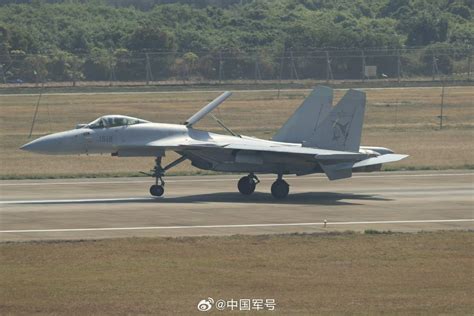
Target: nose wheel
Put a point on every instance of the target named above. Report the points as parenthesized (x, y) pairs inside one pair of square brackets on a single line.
[(280, 188), (157, 190), (247, 184)]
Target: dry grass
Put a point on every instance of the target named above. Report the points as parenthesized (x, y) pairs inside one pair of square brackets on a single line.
[(404, 120), (425, 273)]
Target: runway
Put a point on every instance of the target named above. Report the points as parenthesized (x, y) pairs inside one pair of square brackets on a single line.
[(211, 205)]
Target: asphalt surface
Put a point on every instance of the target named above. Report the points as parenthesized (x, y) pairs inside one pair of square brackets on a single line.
[(211, 205)]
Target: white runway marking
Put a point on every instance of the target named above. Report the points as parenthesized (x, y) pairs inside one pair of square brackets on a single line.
[(233, 226), (131, 199), (213, 179), (207, 91)]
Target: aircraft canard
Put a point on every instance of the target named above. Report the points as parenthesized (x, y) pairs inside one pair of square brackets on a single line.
[(317, 138)]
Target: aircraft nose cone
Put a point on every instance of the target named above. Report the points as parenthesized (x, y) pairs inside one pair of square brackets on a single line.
[(34, 146), (26, 146), (62, 143), (44, 144)]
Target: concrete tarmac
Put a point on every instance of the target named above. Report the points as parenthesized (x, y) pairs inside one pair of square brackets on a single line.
[(211, 205)]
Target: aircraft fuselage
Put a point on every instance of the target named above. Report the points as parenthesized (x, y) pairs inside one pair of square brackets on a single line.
[(130, 141)]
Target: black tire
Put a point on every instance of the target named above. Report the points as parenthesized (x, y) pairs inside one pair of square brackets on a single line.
[(280, 189), (246, 185), (157, 190)]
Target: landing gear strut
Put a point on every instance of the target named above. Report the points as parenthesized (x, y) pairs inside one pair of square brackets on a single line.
[(247, 184), (158, 173), (280, 188)]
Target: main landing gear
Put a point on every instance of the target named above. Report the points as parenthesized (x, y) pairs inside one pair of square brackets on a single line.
[(280, 188), (247, 184), (158, 173)]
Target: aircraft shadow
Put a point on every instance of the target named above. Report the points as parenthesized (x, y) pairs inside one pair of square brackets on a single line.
[(316, 198), (307, 198)]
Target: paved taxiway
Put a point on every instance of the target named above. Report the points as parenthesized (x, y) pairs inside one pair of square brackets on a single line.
[(210, 205)]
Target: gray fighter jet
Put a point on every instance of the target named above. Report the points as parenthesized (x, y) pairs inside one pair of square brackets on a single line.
[(317, 138)]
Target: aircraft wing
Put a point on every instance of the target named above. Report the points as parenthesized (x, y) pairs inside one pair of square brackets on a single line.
[(335, 164), (180, 142), (173, 143), (187, 143), (158, 147)]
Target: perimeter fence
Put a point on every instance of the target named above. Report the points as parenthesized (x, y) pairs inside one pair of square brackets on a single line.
[(232, 65)]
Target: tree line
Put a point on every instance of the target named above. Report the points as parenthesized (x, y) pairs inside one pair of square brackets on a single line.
[(160, 39)]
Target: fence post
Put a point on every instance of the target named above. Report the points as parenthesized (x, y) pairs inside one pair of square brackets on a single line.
[(293, 67), (399, 65), (220, 66), (73, 77), (258, 75), (149, 74), (4, 79), (329, 75), (434, 68), (111, 68), (363, 66), (36, 77), (469, 66), (281, 72)]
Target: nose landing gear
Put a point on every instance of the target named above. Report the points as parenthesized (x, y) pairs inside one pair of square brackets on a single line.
[(247, 184), (158, 172)]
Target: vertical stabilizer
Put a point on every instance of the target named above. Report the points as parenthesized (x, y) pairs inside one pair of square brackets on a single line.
[(342, 127), (302, 125)]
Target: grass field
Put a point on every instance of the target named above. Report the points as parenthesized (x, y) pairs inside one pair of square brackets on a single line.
[(402, 119), (424, 273)]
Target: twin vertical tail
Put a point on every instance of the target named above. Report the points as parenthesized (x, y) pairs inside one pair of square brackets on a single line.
[(342, 128), (316, 123), (302, 125)]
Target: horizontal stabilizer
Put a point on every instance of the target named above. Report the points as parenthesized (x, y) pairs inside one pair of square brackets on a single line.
[(208, 108), (379, 160)]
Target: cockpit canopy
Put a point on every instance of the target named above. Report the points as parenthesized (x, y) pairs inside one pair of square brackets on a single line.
[(114, 121)]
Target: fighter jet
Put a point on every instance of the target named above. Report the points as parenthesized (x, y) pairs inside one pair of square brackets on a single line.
[(317, 138)]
